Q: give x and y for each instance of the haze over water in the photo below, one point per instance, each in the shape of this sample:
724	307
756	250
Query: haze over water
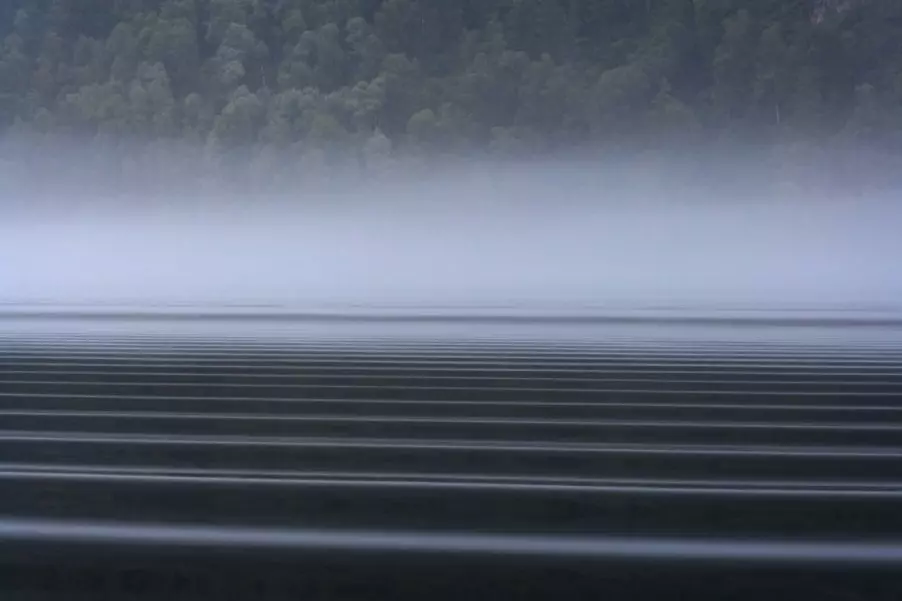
527	236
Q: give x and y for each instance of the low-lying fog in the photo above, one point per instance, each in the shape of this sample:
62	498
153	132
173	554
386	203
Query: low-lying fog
525	236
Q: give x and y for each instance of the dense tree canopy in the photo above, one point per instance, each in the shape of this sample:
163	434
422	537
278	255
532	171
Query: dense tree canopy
266	82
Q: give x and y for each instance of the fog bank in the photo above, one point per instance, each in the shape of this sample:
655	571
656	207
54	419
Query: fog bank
553	236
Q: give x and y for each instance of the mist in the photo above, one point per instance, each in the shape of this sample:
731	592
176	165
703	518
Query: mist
560	236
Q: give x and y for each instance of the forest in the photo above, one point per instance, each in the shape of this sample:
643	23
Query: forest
295	86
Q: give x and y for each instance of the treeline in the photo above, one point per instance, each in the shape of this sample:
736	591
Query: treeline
320	82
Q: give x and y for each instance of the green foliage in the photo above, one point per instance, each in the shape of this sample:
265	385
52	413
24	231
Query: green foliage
315	79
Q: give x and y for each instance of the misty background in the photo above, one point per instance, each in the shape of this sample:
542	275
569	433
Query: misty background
577	153
529	236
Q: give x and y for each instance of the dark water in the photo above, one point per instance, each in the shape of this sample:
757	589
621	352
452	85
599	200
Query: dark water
166	459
